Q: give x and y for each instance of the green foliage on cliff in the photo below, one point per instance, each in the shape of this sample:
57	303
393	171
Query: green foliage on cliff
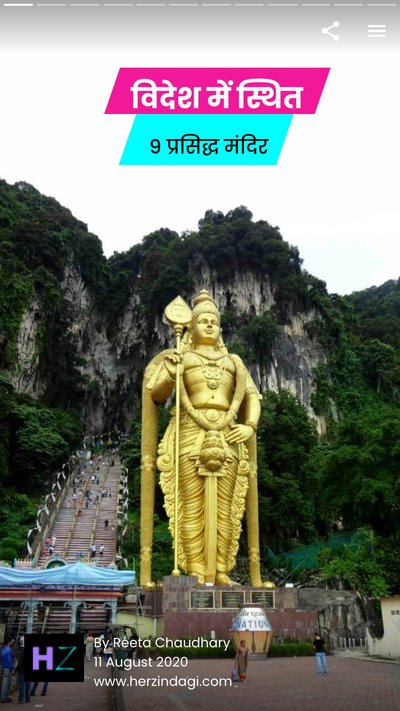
358	459
289	485
166	263
253	339
377	327
34	440
360	468
39	242
17	512
378	310
37	233
361	563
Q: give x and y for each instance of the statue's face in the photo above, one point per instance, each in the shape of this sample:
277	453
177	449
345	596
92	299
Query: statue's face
206	329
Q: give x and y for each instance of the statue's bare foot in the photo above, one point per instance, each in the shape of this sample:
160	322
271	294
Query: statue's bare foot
258	583
224	579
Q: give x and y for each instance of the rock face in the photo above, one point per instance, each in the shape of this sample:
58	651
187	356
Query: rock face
340	614
294	358
113	363
26	379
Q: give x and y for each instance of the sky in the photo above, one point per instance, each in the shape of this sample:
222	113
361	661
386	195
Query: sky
334	192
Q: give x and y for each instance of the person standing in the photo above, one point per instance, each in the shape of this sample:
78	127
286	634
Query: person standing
7	666
89	646
322	667
242	660
133	644
44	688
108	649
23	686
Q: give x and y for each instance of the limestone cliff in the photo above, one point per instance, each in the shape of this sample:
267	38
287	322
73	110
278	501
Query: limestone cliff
77	329
112	363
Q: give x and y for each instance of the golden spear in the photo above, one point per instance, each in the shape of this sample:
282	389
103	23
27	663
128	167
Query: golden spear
178	315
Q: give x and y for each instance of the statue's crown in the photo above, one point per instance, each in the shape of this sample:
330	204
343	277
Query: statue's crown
204	304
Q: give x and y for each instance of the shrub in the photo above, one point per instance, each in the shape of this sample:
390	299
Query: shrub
291	649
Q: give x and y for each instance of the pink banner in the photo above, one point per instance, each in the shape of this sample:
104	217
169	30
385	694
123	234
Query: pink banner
217	91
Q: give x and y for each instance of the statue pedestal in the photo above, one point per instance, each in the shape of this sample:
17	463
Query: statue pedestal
192	610
182	592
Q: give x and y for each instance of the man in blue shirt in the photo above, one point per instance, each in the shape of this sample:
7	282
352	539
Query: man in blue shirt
7	666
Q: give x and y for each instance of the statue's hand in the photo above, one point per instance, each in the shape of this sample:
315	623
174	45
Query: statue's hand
172	360
239	434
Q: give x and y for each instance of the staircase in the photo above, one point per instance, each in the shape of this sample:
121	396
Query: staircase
81	535
108	505
79	523
58	620
61	530
93	618
17	622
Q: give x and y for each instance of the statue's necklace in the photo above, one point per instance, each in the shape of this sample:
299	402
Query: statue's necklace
212	371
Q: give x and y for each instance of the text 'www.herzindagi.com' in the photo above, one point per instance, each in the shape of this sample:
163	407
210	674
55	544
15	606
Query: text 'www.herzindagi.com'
190	682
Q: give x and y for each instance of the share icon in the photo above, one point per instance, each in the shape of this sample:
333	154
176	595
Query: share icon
327	30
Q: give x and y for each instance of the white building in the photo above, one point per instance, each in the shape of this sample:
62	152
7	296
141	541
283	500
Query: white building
389	644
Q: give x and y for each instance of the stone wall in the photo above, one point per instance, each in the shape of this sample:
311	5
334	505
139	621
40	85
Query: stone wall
295	624
296	613
340	614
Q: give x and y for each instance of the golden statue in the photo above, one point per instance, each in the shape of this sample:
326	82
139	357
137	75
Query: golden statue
207	457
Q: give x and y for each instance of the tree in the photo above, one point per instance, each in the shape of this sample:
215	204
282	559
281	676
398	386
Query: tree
288	480
361	469
357	565
380	364
38	445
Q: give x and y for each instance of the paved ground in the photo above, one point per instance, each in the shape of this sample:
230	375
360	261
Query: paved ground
73	697
276	685
273	685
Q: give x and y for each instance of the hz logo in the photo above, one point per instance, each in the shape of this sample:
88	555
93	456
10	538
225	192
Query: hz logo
54	657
